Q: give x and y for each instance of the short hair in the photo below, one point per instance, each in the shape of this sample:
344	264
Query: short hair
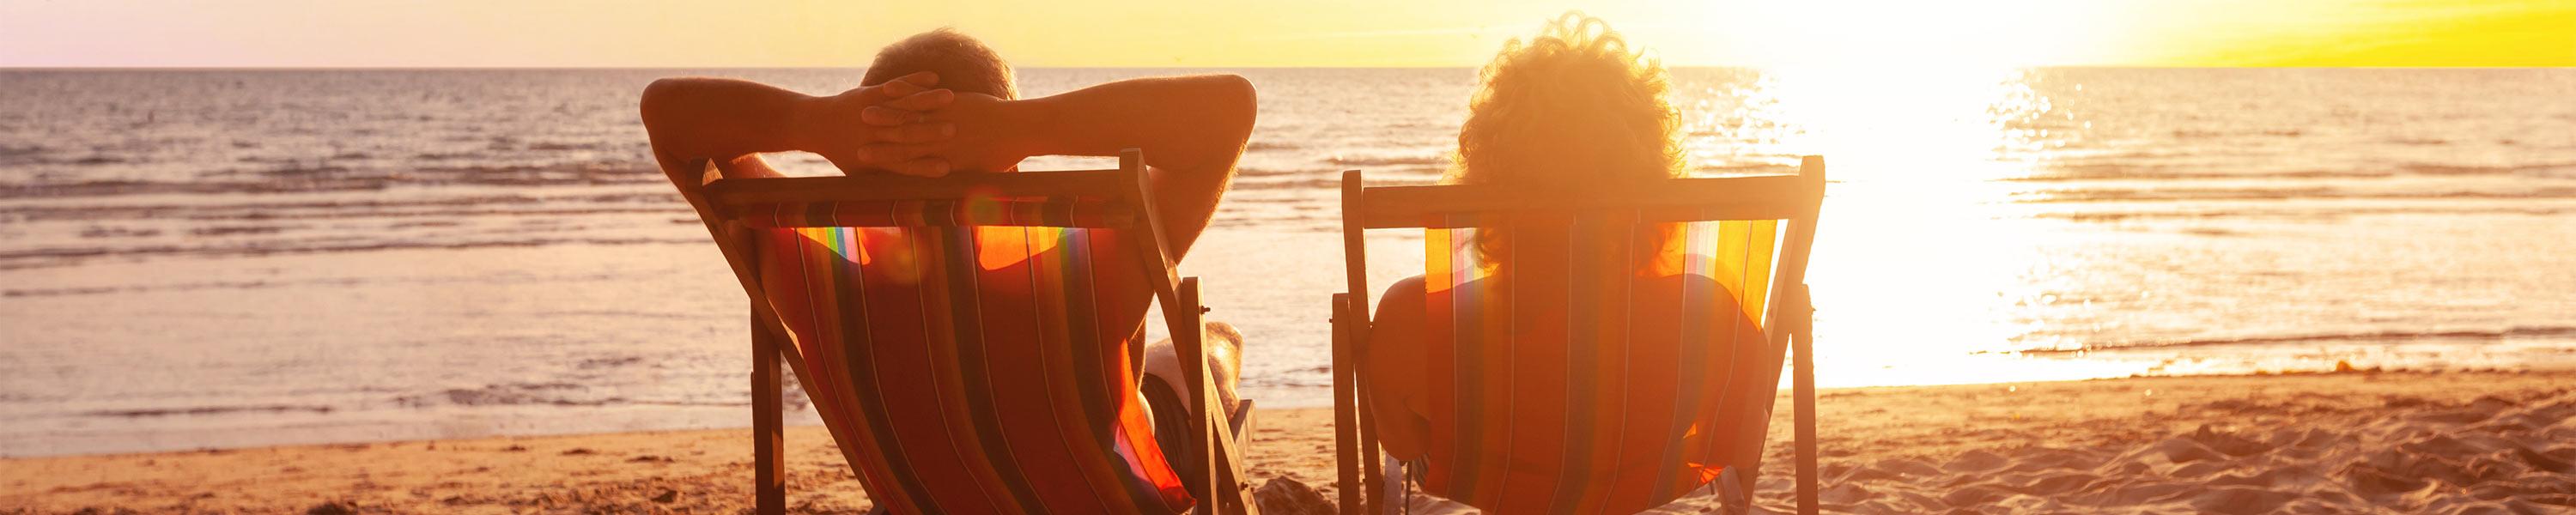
1569	108
963	64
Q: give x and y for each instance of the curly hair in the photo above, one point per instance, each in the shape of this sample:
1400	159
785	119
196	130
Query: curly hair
1569	108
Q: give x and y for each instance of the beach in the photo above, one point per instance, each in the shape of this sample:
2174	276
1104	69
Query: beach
2357	441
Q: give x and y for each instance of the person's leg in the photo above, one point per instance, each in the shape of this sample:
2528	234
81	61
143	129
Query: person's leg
1224	357
1163	387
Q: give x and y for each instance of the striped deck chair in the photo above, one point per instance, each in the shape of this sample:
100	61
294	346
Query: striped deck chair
946	331
1585	370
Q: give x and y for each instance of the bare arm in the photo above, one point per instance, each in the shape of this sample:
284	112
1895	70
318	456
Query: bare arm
1192	130
695	120
1393	363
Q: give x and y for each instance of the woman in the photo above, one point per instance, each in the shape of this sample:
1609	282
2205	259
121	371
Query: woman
1606	402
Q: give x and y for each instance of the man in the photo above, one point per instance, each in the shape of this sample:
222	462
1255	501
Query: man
940	103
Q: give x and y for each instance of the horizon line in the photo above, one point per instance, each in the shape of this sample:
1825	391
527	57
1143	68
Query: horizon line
1152	67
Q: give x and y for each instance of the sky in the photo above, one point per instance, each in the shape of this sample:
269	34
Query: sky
1251	33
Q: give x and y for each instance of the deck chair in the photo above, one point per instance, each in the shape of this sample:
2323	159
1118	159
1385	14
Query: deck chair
1008	393
1553	333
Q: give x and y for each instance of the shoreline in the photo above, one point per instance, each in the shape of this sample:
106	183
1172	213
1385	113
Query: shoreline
2423	441
235	439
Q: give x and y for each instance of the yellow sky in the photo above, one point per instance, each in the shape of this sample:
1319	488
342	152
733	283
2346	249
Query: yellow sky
1193	33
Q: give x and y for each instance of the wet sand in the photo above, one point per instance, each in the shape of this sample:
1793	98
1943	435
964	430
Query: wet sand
2410	442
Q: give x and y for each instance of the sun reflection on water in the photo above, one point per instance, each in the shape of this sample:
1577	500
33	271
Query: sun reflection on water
1925	271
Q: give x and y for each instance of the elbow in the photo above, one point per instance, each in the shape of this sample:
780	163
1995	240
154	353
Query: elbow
1221	113
1237	91
1227	107
656	101
1242	103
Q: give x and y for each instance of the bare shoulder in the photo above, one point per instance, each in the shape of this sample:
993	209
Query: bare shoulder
1400	308
1405	292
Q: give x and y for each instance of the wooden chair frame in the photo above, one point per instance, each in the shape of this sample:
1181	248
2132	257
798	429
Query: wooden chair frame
1796	199
1129	185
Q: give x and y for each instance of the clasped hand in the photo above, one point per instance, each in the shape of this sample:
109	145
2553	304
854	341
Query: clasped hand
906	126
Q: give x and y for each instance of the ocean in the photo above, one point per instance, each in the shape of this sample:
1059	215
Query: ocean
223	258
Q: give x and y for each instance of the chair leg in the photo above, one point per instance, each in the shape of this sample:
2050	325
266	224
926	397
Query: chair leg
1233	494
1806	403
769	486
1375	475
1223	459
1345	408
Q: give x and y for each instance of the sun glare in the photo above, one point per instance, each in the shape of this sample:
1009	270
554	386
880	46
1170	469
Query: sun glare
1924	183
1967	33
1914	153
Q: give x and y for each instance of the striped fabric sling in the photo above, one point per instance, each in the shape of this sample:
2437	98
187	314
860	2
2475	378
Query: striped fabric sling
1593	363
956	353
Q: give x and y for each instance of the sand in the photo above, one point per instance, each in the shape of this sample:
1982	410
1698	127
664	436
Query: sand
2460	442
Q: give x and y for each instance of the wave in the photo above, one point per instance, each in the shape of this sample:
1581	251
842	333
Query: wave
2324	338
2083	172
2300	213
37	155
2127	172
496	394
208	410
551	146
1739	169
333	178
104	188
457	206
118	232
508	394
52	257
531	394
237	230
1400	160
2454	170
2198	134
300	172
1332	181
2182	194
1250	171
620	361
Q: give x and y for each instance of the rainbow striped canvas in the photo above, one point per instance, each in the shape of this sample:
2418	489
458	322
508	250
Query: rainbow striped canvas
956	352
1595	363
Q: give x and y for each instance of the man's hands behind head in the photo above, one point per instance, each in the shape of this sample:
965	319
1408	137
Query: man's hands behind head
883	127
989	136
